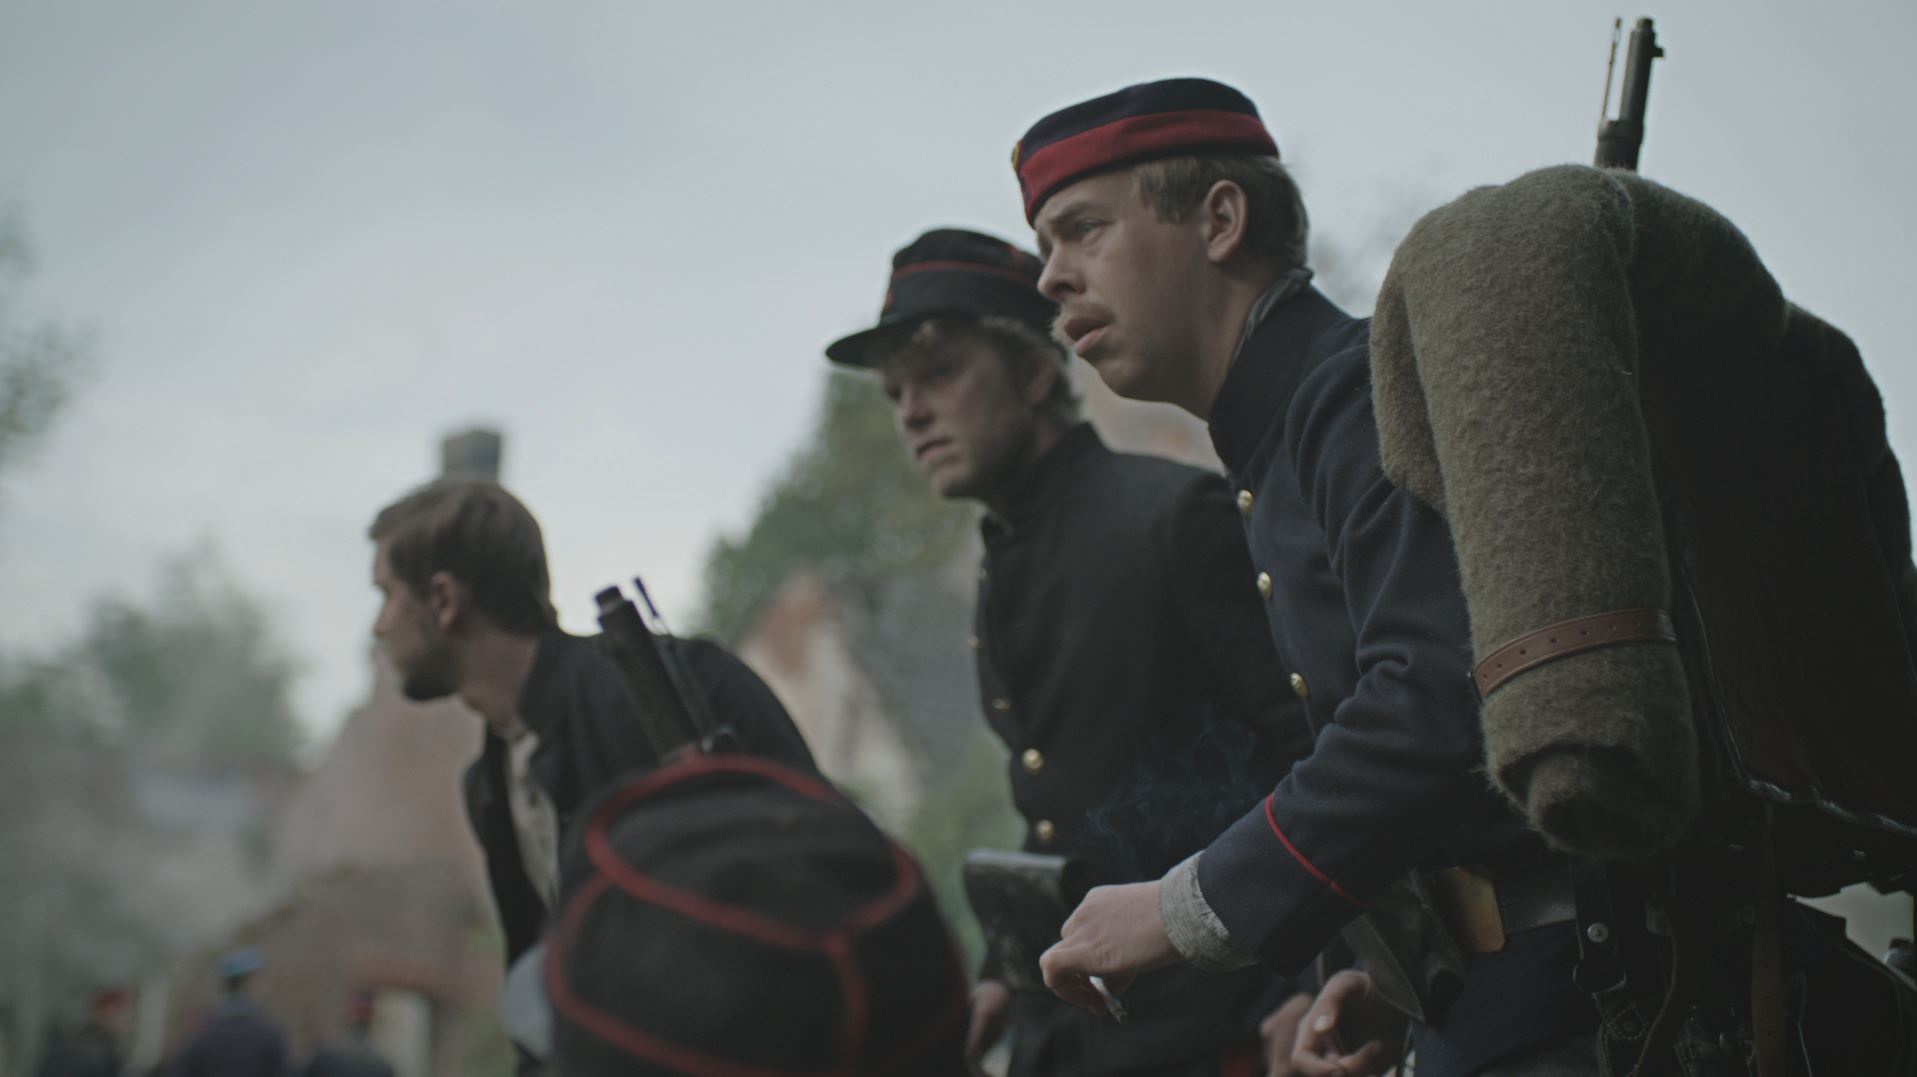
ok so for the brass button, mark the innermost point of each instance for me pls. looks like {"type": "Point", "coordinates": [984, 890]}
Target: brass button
{"type": "Point", "coordinates": [1044, 831]}
{"type": "Point", "coordinates": [1245, 502]}
{"type": "Point", "coordinates": [1034, 760]}
{"type": "Point", "coordinates": [1264, 585]}
{"type": "Point", "coordinates": [973, 641]}
{"type": "Point", "coordinates": [1299, 686]}
{"type": "Point", "coordinates": [1001, 704]}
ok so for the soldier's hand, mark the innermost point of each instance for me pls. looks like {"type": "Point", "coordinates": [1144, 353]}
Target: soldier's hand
{"type": "Point", "coordinates": [1278, 1033]}
{"type": "Point", "coordinates": [1347, 1012]}
{"type": "Point", "coordinates": [1115, 933]}
{"type": "Point", "coordinates": [991, 1005]}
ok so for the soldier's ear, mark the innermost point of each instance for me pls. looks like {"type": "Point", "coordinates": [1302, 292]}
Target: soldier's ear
{"type": "Point", "coordinates": [1039, 379]}
{"type": "Point", "coordinates": [1223, 218]}
{"type": "Point", "coordinates": [446, 599]}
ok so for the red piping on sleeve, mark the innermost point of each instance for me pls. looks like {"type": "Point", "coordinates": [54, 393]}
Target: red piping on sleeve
{"type": "Point", "coordinates": [1310, 868]}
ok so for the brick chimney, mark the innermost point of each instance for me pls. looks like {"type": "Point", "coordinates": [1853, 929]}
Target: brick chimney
{"type": "Point", "coordinates": [471, 454]}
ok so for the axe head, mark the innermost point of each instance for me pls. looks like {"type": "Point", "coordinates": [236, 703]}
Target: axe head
{"type": "Point", "coordinates": [1021, 901]}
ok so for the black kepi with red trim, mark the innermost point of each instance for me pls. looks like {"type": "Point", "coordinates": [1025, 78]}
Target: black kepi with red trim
{"type": "Point", "coordinates": [953, 271]}
{"type": "Point", "coordinates": [1168, 118]}
{"type": "Point", "coordinates": [726, 915]}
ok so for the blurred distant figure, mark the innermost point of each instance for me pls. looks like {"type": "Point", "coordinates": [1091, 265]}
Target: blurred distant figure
{"type": "Point", "coordinates": [239, 1039]}
{"type": "Point", "coordinates": [93, 1051]}
{"type": "Point", "coordinates": [352, 1056]}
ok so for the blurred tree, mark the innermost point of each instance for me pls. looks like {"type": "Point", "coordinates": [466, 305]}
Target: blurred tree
{"type": "Point", "coordinates": [972, 810]}
{"type": "Point", "coordinates": [849, 494]}
{"type": "Point", "coordinates": [39, 360]}
{"type": "Point", "coordinates": [194, 674]}
{"type": "Point", "coordinates": [139, 764]}
{"type": "Point", "coordinates": [197, 673]}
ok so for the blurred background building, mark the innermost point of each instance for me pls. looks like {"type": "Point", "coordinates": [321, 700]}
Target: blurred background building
{"type": "Point", "coordinates": [157, 815]}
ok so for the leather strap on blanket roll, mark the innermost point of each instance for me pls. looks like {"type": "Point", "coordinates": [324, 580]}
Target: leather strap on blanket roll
{"type": "Point", "coordinates": [1571, 637]}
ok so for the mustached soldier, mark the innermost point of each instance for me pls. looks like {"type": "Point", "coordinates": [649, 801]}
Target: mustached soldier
{"type": "Point", "coordinates": [1116, 638]}
{"type": "Point", "coordinates": [1175, 245]}
{"type": "Point", "coordinates": [1515, 321]}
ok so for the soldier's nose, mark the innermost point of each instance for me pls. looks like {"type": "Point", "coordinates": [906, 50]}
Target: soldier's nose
{"type": "Point", "coordinates": [913, 410]}
{"type": "Point", "coordinates": [1055, 281]}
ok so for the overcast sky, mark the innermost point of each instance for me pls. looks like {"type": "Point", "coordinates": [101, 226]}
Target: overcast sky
{"type": "Point", "coordinates": [312, 237]}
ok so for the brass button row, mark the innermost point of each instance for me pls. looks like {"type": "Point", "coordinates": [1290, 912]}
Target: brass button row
{"type": "Point", "coordinates": [1044, 831]}
{"type": "Point", "coordinates": [1298, 684]}
{"type": "Point", "coordinates": [1033, 760]}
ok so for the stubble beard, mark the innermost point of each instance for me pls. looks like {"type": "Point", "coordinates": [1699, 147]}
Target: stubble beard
{"type": "Point", "coordinates": [431, 675]}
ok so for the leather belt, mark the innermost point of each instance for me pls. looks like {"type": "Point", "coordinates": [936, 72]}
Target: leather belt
{"type": "Point", "coordinates": [1567, 638]}
{"type": "Point", "coordinates": [1483, 907]}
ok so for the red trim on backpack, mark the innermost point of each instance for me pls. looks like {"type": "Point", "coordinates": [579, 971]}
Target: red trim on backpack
{"type": "Point", "coordinates": [836, 944]}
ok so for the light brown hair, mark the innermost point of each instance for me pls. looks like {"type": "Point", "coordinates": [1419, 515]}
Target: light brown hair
{"type": "Point", "coordinates": [1013, 340]}
{"type": "Point", "coordinates": [1277, 227]}
{"type": "Point", "coordinates": [481, 535]}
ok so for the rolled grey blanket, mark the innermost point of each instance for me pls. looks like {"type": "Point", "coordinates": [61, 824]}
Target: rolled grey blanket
{"type": "Point", "coordinates": [1505, 354]}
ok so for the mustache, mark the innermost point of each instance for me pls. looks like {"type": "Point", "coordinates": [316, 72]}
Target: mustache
{"type": "Point", "coordinates": [1066, 316]}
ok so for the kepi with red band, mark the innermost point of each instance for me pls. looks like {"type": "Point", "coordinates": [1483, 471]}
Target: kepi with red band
{"type": "Point", "coordinates": [951, 271]}
{"type": "Point", "coordinates": [1169, 118]}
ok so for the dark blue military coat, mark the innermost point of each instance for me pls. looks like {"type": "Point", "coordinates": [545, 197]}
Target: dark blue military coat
{"type": "Point", "coordinates": [1366, 610]}
{"type": "Point", "coordinates": [347, 1058]}
{"type": "Point", "coordinates": [1125, 663]}
{"type": "Point", "coordinates": [239, 1040]}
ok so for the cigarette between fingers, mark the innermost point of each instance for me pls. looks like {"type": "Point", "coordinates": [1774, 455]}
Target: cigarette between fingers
{"type": "Point", "coordinates": [1112, 1005]}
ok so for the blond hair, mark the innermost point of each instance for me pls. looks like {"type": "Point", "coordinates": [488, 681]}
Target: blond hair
{"type": "Point", "coordinates": [1011, 338]}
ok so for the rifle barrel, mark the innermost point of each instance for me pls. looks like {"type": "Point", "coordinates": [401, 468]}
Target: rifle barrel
{"type": "Point", "coordinates": [1620, 140]}
{"type": "Point", "coordinates": [658, 706]}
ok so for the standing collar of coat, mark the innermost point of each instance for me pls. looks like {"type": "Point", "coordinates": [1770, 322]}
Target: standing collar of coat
{"type": "Point", "coordinates": [1043, 480]}
{"type": "Point", "coordinates": [540, 697]}
{"type": "Point", "coordinates": [1271, 359]}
